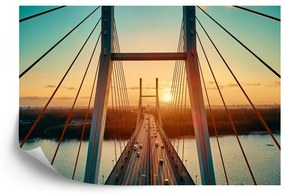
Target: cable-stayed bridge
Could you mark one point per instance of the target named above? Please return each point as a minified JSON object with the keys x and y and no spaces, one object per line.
{"x":149,"y":157}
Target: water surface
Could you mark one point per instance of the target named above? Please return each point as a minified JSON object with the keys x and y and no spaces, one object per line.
{"x":263,"y":159}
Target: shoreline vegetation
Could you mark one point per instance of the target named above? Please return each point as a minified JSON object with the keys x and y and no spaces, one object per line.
{"x":53,"y":121}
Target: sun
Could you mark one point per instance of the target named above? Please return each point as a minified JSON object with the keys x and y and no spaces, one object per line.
{"x":167,"y":97}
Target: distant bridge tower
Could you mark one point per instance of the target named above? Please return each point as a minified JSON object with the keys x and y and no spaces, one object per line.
{"x":157,"y":107}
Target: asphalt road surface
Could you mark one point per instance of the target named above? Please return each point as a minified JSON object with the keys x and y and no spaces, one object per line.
{"x":147,"y":161}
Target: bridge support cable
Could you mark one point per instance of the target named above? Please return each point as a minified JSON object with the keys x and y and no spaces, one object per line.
{"x":181,"y":112}
{"x":177,"y":112}
{"x":118,"y":97}
{"x":259,"y":116}
{"x":176,"y":89}
{"x":180,"y":105}
{"x":227,"y":111}
{"x":184,"y":111}
{"x":170,"y":105}
{"x":75,"y":100}
{"x":57,"y":43}
{"x":56,"y":89}
{"x":40,"y":14}
{"x":213,"y":121}
{"x":121,"y":81}
{"x":125,"y":107}
{"x":123,"y":102}
{"x":258,"y":13}
{"x":113,"y":125}
{"x":173,"y":87}
{"x":121,"y":68}
{"x":178,"y":118}
{"x":122,"y":112}
{"x":125,"y":88}
{"x":242,"y":44}
{"x":196,"y":99}
{"x":85,"y":120}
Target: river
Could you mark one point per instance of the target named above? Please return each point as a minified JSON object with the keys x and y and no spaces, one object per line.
{"x":264,"y":159}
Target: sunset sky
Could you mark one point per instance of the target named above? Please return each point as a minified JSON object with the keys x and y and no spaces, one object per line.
{"x":149,"y":29}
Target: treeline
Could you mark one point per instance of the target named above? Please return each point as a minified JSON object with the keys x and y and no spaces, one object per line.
{"x":122,"y":126}
{"x":52,"y":123}
{"x":245,"y":121}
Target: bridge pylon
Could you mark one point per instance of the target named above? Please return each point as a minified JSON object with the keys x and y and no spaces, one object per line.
{"x":101,"y":97}
{"x":196,"y":97}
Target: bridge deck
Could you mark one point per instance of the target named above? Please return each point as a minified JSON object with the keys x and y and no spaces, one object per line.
{"x":146,"y":169}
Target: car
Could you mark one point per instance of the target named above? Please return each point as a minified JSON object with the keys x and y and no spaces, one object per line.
{"x":156,"y":143}
{"x":166,"y":182}
{"x":138,"y":154}
{"x":140,"y":145}
{"x":135,"y":147}
{"x":161,"y":161}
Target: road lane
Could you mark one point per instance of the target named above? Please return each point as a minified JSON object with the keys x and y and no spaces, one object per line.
{"x":145,"y":168}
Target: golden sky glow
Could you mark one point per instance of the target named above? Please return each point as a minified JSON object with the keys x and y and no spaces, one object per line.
{"x":150,"y":29}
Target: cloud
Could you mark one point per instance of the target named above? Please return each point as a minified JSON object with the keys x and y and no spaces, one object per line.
{"x":69,"y":88}
{"x":273,"y":84}
{"x":211,"y":82}
{"x":33,"y":98}
{"x":231,"y":85}
{"x":220,"y":86}
{"x":252,"y":84}
{"x":133,"y":88}
{"x":65,"y":87}
{"x":39,"y":98}
{"x":50,"y":86}
{"x":64,"y":98}
{"x":244,"y":84}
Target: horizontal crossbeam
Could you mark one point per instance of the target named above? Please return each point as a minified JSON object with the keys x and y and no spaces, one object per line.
{"x":148,"y":56}
{"x":148,"y":96}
